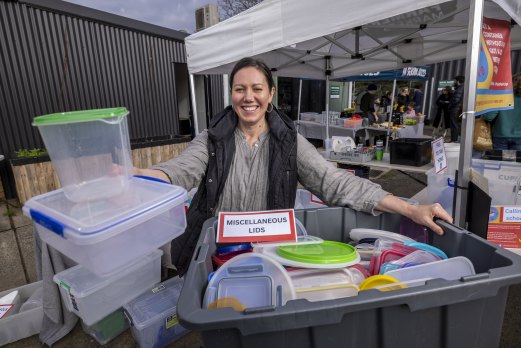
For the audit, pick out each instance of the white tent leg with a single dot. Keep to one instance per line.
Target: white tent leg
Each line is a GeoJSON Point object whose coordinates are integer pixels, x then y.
{"type": "Point", "coordinates": [349, 94]}
{"type": "Point", "coordinates": [327, 106]}
{"type": "Point", "coordinates": [389, 120]}
{"type": "Point", "coordinates": [226, 95]}
{"type": "Point", "coordinates": [469, 106]}
{"type": "Point", "coordinates": [194, 104]}
{"type": "Point", "coordinates": [299, 101]}
{"type": "Point", "coordinates": [425, 96]}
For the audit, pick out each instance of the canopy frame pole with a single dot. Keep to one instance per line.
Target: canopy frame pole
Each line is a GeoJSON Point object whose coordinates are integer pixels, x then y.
{"type": "Point", "coordinates": [226, 94]}
{"type": "Point", "coordinates": [194, 104]}
{"type": "Point", "coordinates": [469, 107]}
{"type": "Point", "coordinates": [299, 101]}
{"type": "Point", "coordinates": [389, 121]}
{"type": "Point", "coordinates": [328, 72]}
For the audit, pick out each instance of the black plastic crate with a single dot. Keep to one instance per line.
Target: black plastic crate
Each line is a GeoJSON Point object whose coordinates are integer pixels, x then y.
{"type": "Point", "coordinates": [410, 151]}
{"type": "Point", "coordinates": [361, 171]}
{"type": "Point", "coordinates": [457, 313]}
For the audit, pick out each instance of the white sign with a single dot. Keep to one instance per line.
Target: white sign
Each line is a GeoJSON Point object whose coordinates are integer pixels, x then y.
{"type": "Point", "coordinates": [257, 226]}
{"type": "Point", "coordinates": [439, 156]}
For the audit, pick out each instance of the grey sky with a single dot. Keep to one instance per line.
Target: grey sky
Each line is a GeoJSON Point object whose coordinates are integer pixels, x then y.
{"type": "Point", "coordinates": [173, 14]}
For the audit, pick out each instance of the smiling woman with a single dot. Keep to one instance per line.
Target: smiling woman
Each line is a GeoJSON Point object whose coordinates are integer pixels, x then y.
{"type": "Point", "coordinates": [251, 158]}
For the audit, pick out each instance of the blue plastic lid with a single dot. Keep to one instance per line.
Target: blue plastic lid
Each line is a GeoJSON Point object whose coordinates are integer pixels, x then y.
{"type": "Point", "coordinates": [429, 248]}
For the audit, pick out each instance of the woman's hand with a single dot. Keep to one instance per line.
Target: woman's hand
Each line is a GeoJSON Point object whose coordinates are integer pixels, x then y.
{"type": "Point", "coordinates": [424, 215]}
{"type": "Point", "coordinates": [421, 214]}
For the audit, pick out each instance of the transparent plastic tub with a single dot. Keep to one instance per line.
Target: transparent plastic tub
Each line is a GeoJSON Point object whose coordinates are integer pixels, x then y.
{"type": "Point", "coordinates": [90, 151]}
{"type": "Point", "coordinates": [153, 315]}
{"type": "Point", "coordinates": [105, 235]}
{"type": "Point", "coordinates": [93, 298]}
{"type": "Point", "coordinates": [107, 328]}
{"type": "Point", "coordinates": [503, 182]}
{"type": "Point", "coordinates": [24, 323]}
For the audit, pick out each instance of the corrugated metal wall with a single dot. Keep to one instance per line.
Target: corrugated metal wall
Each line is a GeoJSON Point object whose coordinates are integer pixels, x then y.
{"type": "Point", "coordinates": [216, 96]}
{"type": "Point", "coordinates": [57, 56]}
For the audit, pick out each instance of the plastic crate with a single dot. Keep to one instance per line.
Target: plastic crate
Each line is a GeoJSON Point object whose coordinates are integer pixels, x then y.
{"type": "Point", "coordinates": [410, 151]}
{"type": "Point", "coordinates": [24, 323]}
{"type": "Point", "coordinates": [503, 182]}
{"type": "Point", "coordinates": [351, 123]}
{"type": "Point", "coordinates": [354, 155]}
{"type": "Point", "coordinates": [442, 313]}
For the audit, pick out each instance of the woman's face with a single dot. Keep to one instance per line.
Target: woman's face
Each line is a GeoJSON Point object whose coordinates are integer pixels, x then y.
{"type": "Point", "coordinates": [405, 91]}
{"type": "Point", "coordinates": [251, 95]}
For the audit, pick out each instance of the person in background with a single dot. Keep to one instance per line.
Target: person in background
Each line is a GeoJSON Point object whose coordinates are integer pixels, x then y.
{"type": "Point", "coordinates": [456, 108]}
{"type": "Point", "coordinates": [409, 112]}
{"type": "Point", "coordinates": [442, 110]}
{"type": "Point", "coordinates": [367, 105]}
{"type": "Point", "coordinates": [417, 98]}
{"type": "Point", "coordinates": [251, 158]}
{"type": "Point", "coordinates": [385, 101]}
{"type": "Point", "coordinates": [506, 124]}
{"type": "Point", "coordinates": [358, 101]}
{"type": "Point", "coordinates": [403, 98]}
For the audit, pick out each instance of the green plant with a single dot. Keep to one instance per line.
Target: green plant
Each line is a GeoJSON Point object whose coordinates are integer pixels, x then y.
{"type": "Point", "coordinates": [9, 212]}
{"type": "Point", "coordinates": [30, 153]}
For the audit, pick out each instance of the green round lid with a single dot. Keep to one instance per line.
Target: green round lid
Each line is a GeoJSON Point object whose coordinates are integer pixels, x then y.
{"type": "Point", "coordinates": [325, 253]}
{"type": "Point", "coordinates": [79, 116]}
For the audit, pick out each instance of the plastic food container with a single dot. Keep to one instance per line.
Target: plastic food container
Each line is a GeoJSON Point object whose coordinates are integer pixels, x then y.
{"type": "Point", "coordinates": [503, 182]}
{"type": "Point", "coordinates": [153, 315]}
{"type": "Point", "coordinates": [85, 147]}
{"type": "Point", "coordinates": [319, 285]}
{"type": "Point", "coordinates": [107, 328]}
{"type": "Point", "coordinates": [106, 235]}
{"type": "Point", "coordinates": [353, 123]}
{"type": "Point", "coordinates": [465, 312]}
{"type": "Point", "coordinates": [24, 323]}
{"type": "Point", "coordinates": [253, 280]}
{"type": "Point", "coordinates": [449, 269]}
{"type": "Point", "coordinates": [93, 298]}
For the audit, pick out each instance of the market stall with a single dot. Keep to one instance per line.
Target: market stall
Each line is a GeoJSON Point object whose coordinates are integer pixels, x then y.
{"type": "Point", "coordinates": [312, 40]}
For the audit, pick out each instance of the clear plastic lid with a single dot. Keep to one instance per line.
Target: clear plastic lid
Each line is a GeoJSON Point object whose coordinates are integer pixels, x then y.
{"type": "Point", "coordinates": [155, 304]}
{"type": "Point", "coordinates": [357, 234]}
{"type": "Point", "coordinates": [55, 211]}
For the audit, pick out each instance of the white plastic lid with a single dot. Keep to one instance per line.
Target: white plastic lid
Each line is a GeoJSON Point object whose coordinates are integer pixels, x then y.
{"type": "Point", "coordinates": [90, 219]}
{"type": "Point", "coordinates": [357, 234]}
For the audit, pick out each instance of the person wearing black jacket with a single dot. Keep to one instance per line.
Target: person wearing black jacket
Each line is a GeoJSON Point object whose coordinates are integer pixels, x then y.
{"type": "Point", "coordinates": [456, 108]}
{"type": "Point", "coordinates": [443, 109]}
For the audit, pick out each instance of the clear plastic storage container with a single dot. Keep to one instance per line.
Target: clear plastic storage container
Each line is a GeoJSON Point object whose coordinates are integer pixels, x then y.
{"type": "Point", "coordinates": [503, 182]}
{"type": "Point", "coordinates": [24, 323]}
{"type": "Point", "coordinates": [107, 328]}
{"type": "Point", "coordinates": [105, 235]}
{"type": "Point", "coordinates": [153, 315]}
{"type": "Point", "coordinates": [93, 298]}
{"type": "Point", "coordinates": [90, 151]}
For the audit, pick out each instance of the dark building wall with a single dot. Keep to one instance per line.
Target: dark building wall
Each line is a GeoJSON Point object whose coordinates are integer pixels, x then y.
{"type": "Point", "coordinates": [56, 56]}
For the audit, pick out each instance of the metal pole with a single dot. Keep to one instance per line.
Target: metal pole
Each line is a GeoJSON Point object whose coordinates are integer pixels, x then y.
{"type": "Point", "coordinates": [349, 94]}
{"type": "Point", "coordinates": [194, 104]}
{"type": "Point", "coordinates": [389, 121]}
{"type": "Point", "coordinates": [299, 100]}
{"type": "Point", "coordinates": [469, 106]}
{"type": "Point", "coordinates": [226, 88]}
{"type": "Point", "coordinates": [327, 106]}
{"type": "Point", "coordinates": [425, 96]}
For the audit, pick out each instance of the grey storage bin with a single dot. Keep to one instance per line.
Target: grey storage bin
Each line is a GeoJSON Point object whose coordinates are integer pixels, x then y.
{"type": "Point", "coordinates": [22, 324]}
{"type": "Point", "coordinates": [458, 313]}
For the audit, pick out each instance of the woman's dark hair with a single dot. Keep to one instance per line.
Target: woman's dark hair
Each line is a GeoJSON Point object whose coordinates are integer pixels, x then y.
{"type": "Point", "coordinates": [254, 63]}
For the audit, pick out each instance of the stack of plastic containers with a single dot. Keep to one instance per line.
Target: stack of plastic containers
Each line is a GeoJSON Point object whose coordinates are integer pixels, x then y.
{"type": "Point", "coordinates": [106, 220]}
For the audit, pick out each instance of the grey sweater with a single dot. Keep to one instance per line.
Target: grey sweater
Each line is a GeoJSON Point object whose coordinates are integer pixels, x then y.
{"type": "Point", "coordinates": [246, 187]}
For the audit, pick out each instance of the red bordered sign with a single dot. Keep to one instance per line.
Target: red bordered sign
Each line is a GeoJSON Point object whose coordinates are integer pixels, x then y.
{"type": "Point", "coordinates": [257, 226]}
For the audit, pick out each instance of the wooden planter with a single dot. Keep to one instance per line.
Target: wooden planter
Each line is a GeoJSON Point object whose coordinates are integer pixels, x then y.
{"type": "Point", "coordinates": [35, 175]}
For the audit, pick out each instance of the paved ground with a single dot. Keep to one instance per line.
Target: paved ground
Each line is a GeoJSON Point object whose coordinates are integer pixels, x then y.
{"type": "Point", "coordinates": [18, 268]}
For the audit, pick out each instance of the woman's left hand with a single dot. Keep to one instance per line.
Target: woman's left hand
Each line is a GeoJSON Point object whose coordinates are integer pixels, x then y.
{"type": "Point", "coordinates": [424, 215]}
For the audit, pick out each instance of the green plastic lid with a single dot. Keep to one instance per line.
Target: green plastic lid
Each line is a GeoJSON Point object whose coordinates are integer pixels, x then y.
{"type": "Point", "coordinates": [325, 253]}
{"type": "Point", "coordinates": [79, 116]}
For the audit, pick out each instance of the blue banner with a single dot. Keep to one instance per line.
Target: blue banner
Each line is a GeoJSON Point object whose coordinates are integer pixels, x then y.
{"type": "Point", "coordinates": [405, 73]}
